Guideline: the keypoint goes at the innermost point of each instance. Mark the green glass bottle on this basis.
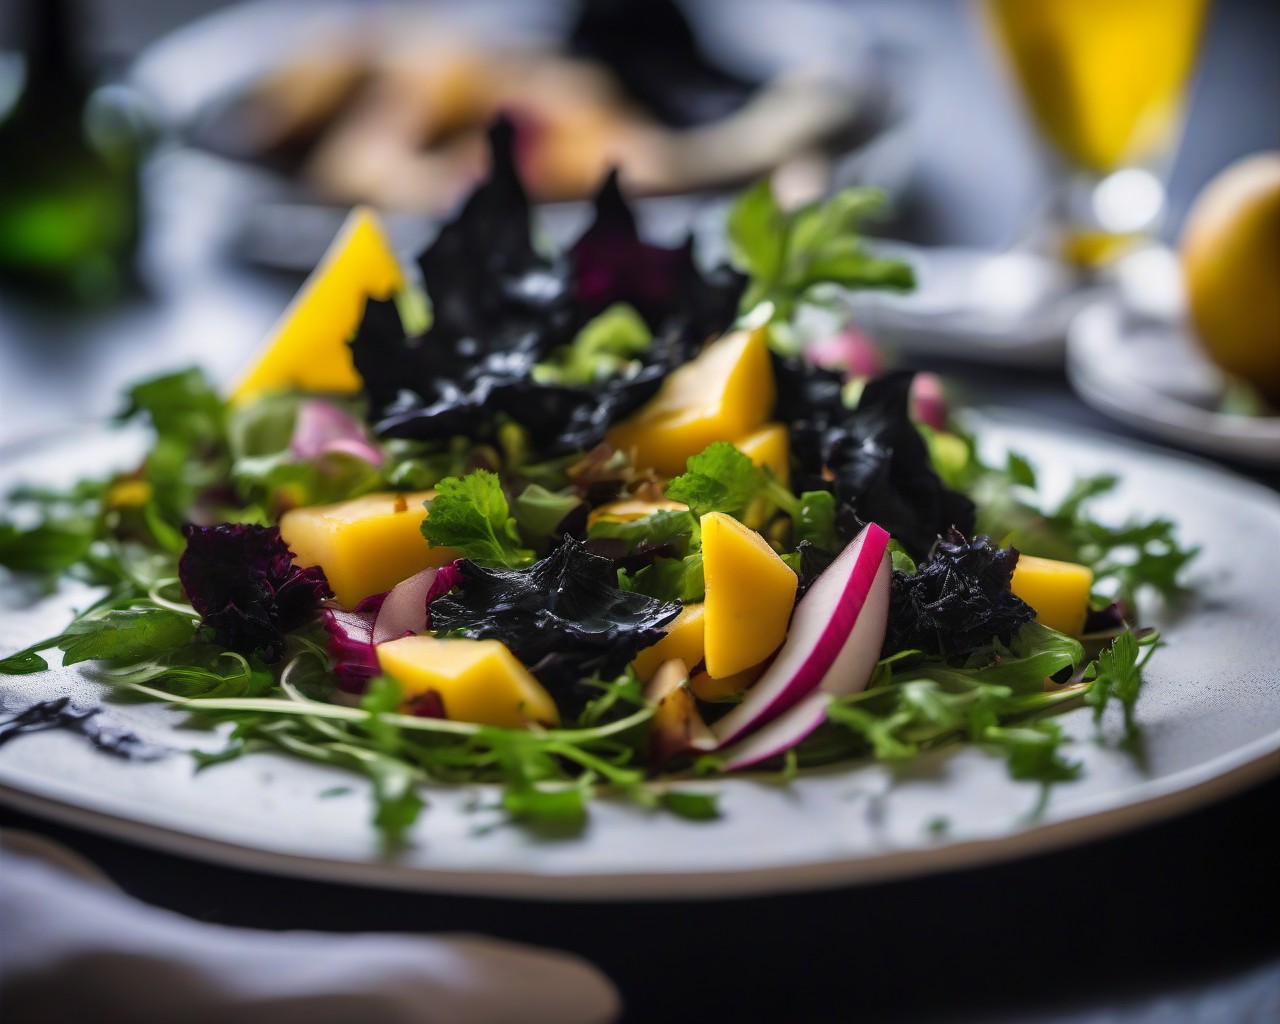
(68, 170)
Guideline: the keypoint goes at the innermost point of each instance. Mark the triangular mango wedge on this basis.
(307, 348)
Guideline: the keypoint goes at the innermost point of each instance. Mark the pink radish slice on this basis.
(405, 608)
(817, 640)
(849, 673)
(323, 427)
(779, 736)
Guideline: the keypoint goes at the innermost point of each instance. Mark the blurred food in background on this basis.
(388, 105)
(69, 155)
(1231, 264)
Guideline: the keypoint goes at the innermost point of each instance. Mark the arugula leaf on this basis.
(127, 634)
(189, 453)
(1117, 675)
(27, 660)
(1033, 752)
(471, 514)
(815, 521)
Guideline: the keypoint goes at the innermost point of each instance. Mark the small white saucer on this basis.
(1149, 373)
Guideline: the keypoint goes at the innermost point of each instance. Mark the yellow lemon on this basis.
(1231, 264)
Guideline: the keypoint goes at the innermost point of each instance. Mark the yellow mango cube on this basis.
(366, 545)
(684, 640)
(750, 594)
(477, 680)
(707, 687)
(627, 510)
(1058, 591)
(307, 348)
(722, 395)
(769, 447)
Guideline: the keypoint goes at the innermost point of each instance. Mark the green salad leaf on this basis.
(471, 514)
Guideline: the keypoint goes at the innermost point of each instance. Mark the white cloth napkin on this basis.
(75, 950)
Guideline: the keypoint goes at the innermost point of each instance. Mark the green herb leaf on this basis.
(1117, 675)
(471, 514)
(718, 479)
(1033, 752)
(671, 579)
(787, 254)
(128, 634)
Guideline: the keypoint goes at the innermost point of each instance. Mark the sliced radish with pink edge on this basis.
(404, 610)
(850, 672)
(819, 642)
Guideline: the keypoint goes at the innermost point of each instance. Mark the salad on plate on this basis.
(592, 523)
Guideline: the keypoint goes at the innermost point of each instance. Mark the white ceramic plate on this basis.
(1210, 713)
(1148, 372)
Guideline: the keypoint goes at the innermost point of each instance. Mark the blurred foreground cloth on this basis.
(74, 949)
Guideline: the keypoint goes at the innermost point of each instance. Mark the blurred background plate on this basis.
(385, 102)
(1149, 373)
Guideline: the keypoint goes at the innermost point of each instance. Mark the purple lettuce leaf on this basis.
(241, 579)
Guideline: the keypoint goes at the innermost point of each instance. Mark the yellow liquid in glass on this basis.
(1103, 78)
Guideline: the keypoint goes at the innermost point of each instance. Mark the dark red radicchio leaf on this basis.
(563, 616)
(355, 656)
(350, 644)
(241, 579)
(683, 307)
(957, 600)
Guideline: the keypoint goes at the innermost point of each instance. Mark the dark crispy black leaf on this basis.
(813, 563)
(241, 579)
(564, 616)
(957, 600)
(500, 307)
(872, 457)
